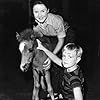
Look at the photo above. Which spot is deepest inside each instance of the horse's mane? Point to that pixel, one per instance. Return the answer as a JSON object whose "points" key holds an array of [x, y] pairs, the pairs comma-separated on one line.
{"points": [[27, 34]]}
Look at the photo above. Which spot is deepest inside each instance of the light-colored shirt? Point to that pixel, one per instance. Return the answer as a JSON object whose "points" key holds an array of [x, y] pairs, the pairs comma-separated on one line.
{"points": [[53, 26]]}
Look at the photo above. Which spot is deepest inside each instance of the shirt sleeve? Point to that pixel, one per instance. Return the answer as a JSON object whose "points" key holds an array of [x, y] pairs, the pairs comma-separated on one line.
{"points": [[59, 27], [75, 81]]}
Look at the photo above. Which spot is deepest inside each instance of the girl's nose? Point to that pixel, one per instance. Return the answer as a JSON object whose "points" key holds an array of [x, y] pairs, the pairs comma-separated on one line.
{"points": [[39, 14]]}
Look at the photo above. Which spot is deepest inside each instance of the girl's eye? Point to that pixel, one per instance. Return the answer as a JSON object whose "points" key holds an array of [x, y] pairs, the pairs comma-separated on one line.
{"points": [[64, 56], [36, 12], [42, 11], [70, 56]]}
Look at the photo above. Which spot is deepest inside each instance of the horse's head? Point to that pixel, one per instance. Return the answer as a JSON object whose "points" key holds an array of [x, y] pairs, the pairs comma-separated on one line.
{"points": [[27, 41], [26, 55], [30, 53]]}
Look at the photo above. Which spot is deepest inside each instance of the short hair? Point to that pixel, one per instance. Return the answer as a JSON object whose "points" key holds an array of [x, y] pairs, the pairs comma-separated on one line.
{"points": [[73, 46]]}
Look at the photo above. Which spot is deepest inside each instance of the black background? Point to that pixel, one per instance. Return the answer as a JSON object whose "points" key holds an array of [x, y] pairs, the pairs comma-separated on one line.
{"points": [[82, 15]]}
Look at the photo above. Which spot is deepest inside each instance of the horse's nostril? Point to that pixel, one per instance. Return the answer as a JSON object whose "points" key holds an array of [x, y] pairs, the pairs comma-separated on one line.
{"points": [[25, 67]]}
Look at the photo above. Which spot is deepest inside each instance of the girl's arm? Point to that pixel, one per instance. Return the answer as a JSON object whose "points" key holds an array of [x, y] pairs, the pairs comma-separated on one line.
{"points": [[52, 56], [59, 45]]}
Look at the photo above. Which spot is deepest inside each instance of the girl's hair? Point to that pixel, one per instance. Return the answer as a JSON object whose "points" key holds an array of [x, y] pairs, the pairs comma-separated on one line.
{"points": [[73, 46], [40, 2], [44, 2]]}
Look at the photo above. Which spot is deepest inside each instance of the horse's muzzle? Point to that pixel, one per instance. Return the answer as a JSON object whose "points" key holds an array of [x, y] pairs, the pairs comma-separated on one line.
{"points": [[24, 67]]}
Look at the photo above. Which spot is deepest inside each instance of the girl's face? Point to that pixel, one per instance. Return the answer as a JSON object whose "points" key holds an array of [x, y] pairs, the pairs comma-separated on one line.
{"points": [[40, 12], [69, 58]]}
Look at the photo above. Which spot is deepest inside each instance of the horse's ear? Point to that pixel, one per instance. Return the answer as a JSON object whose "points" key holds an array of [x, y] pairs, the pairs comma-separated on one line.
{"points": [[18, 36]]}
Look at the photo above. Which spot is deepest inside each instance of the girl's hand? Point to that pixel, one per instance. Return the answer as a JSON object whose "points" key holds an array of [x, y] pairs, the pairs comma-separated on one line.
{"points": [[40, 46]]}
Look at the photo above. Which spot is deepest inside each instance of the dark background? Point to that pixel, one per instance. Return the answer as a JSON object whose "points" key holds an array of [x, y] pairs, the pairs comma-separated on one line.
{"points": [[82, 15]]}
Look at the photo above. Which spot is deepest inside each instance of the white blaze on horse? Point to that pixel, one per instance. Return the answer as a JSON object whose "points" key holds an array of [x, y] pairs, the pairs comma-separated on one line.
{"points": [[30, 54]]}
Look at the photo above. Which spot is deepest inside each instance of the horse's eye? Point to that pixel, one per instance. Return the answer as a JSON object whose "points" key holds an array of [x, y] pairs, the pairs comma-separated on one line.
{"points": [[32, 36]]}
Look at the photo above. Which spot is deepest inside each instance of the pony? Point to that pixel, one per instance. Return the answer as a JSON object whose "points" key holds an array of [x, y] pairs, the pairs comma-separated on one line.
{"points": [[34, 58]]}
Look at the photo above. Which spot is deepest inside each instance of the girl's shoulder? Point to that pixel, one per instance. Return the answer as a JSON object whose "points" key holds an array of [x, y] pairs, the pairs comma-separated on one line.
{"points": [[55, 17]]}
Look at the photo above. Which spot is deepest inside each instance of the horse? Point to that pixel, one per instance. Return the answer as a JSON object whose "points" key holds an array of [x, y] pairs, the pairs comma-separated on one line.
{"points": [[32, 57]]}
